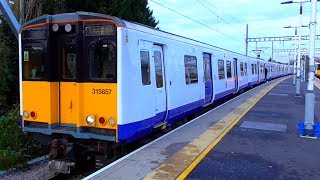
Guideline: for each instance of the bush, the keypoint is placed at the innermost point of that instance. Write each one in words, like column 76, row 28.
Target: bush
column 16, row 147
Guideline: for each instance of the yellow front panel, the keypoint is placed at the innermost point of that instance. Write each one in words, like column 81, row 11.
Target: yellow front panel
column 98, row 100
column 42, row 98
column 75, row 101
column 69, row 102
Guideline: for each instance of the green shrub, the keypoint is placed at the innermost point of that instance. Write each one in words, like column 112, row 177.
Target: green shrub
column 16, row 147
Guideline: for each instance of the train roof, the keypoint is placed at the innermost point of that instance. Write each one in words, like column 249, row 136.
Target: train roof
column 80, row 15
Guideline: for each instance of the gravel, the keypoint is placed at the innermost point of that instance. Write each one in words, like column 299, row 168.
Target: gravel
column 36, row 171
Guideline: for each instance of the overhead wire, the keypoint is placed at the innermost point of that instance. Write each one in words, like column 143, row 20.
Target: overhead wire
column 197, row 22
column 234, row 19
column 220, row 17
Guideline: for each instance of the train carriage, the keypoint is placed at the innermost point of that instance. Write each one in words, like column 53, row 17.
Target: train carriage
column 92, row 77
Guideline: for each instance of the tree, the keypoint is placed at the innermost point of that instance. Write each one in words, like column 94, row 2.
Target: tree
column 131, row 10
column 9, row 74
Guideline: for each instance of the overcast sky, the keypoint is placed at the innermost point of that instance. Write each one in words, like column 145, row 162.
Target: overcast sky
column 223, row 22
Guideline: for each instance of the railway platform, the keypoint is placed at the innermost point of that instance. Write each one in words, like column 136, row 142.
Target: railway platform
column 253, row 136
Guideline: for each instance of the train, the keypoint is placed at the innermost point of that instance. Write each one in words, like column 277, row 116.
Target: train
column 98, row 81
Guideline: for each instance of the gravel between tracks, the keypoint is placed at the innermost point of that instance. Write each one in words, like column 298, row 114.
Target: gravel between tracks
column 37, row 171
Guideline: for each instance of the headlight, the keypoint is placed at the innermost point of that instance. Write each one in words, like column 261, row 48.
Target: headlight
column 90, row 120
column 25, row 114
column 112, row 121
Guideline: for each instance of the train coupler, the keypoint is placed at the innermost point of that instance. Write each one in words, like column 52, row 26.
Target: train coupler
column 60, row 166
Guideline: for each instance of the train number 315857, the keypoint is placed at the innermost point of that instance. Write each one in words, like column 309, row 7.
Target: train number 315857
column 101, row 91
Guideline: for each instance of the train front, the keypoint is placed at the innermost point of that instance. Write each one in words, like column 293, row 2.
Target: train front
column 68, row 70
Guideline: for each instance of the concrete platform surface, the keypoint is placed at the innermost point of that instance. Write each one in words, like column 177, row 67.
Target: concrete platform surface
column 257, row 152
column 145, row 161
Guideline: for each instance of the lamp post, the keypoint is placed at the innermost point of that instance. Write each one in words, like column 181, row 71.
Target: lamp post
column 298, row 81
column 310, row 97
column 295, row 52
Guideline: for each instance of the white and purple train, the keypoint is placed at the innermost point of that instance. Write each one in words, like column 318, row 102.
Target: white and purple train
column 121, row 80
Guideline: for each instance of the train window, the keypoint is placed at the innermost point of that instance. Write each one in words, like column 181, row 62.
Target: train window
column 207, row 67
column 229, row 69
column 252, row 68
column 158, row 69
column 221, row 69
column 191, row 70
column 102, row 61
column 245, row 69
column 256, row 69
column 241, row 68
column 145, row 67
column 33, row 62
column 69, row 62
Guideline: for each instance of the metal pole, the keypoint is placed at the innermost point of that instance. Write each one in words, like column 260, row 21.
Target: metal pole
column 310, row 97
column 10, row 17
column 272, row 50
column 247, row 40
column 295, row 57
column 299, row 55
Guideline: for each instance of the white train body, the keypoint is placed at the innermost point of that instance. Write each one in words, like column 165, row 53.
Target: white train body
column 143, row 106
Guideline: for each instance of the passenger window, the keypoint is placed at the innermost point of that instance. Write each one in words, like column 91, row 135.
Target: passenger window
column 221, row 69
column 158, row 69
column 252, row 68
column 191, row 70
column 245, row 69
column 103, row 61
column 229, row 69
column 241, row 68
column 145, row 67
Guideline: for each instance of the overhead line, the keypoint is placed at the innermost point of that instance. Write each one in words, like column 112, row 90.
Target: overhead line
column 210, row 4
column 221, row 11
column 197, row 21
column 219, row 16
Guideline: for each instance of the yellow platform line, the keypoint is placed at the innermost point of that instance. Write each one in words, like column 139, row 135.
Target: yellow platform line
column 183, row 162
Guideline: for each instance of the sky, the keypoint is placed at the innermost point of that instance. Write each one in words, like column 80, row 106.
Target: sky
column 222, row 23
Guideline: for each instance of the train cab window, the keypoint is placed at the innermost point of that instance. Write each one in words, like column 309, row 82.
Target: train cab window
column 191, row 69
column 145, row 67
column 69, row 62
column 102, row 61
column 221, row 69
column 229, row 75
column 158, row 69
column 245, row 69
column 33, row 62
column 241, row 68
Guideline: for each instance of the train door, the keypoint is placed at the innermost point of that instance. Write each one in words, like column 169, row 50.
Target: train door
column 160, row 91
column 207, row 77
column 235, row 72
column 67, row 76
